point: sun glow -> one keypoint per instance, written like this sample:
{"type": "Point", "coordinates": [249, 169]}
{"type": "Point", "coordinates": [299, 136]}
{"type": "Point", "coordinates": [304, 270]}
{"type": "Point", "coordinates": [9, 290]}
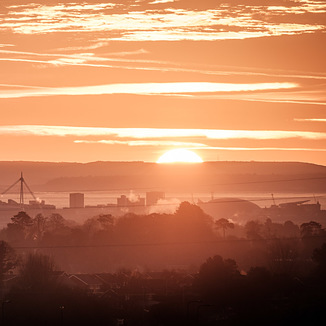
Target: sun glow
{"type": "Point", "coordinates": [180, 156]}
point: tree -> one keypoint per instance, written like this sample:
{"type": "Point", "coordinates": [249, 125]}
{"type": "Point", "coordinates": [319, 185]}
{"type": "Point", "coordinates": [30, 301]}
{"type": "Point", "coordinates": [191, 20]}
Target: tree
{"type": "Point", "coordinates": [55, 222]}
{"type": "Point", "coordinates": [283, 256]}
{"type": "Point", "coordinates": [312, 237]}
{"type": "Point", "coordinates": [106, 221]}
{"type": "Point", "coordinates": [8, 260]}
{"type": "Point", "coordinates": [103, 222]}
{"type": "Point", "coordinates": [253, 230]}
{"type": "Point", "coordinates": [22, 219]}
{"type": "Point", "coordinates": [187, 209]}
{"type": "Point", "coordinates": [21, 227]}
{"type": "Point", "coordinates": [310, 229]}
{"type": "Point", "coordinates": [291, 230]}
{"type": "Point", "coordinates": [217, 278]}
{"type": "Point", "coordinates": [37, 272]}
{"type": "Point", "coordinates": [191, 223]}
{"type": "Point", "coordinates": [224, 224]}
{"type": "Point", "coordinates": [39, 226]}
{"type": "Point", "coordinates": [319, 257]}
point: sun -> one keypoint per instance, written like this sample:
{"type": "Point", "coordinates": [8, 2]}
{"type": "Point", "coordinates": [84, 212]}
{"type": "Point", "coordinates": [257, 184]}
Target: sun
{"type": "Point", "coordinates": [180, 156]}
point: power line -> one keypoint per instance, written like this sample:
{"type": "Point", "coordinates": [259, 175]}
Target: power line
{"type": "Point", "coordinates": [209, 202]}
{"type": "Point", "coordinates": [215, 201]}
{"type": "Point", "coordinates": [175, 243]}
{"type": "Point", "coordinates": [206, 185]}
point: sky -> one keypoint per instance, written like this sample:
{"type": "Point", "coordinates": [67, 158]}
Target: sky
{"type": "Point", "coordinates": [130, 80]}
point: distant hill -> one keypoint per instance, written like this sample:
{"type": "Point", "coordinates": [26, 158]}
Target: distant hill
{"type": "Point", "coordinates": [208, 176]}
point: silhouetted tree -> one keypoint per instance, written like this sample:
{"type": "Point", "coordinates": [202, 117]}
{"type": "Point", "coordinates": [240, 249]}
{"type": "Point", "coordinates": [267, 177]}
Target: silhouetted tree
{"type": "Point", "coordinates": [312, 235]}
{"type": "Point", "coordinates": [319, 257]}
{"type": "Point", "coordinates": [55, 222]}
{"type": "Point", "coordinates": [217, 278]}
{"type": "Point", "coordinates": [187, 209]}
{"type": "Point", "coordinates": [39, 226]}
{"type": "Point", "coordinates": [192, 223]}
{"type": "Point", "coordinates": [253, 230]}
{"type": "Point", "coordinates": [8, 261]}
{"type": "Point", "coordinates": [106, 221]}
{"type": "Point", "coordinates": [310, 229]}
{"type": "Point", "coordinates": [224, 224]}
{"type": "Point", "coordinates": [99, 225]}
{"type": "Point", "coordinates": [20, 228]}
{"type": "Point", "coordinates": [272, 230]}
{"type": "Point", "coordinates": [37, 273]}
{"type": "Point", "coordinates": [283, 256]}
{"type": "Point", "coordinates": [291, 229]}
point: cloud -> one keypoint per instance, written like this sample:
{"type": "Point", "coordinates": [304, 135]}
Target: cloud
{"type": "Point", "coordinates": [95, 61]}
{"type": "Point", "coordinates": [264, 149]}
{"type": "Point", "coordinates": [120, 22]}
{"type": "Point", "coordinates": [141, 143]}
{"type": "Point", "coordinates": [85, 47]}
{"type": "Point", "coordinates": [146, 89]}
{"type": "Point", "coordinates": [127, 53]}
{"type": "Point", "coordinates": [160, 1]}
{"type": "Point", "coordinates": [189, 145]}
{"type": "Point", "coordinates": [67, 61]}
{"type": "Point", "coordinates": [82, 56]}
{"type": "Point", "coordinates": [84, 59]}
{"type": "Point", "coordinates": [312, 119]}
{"type": "Point", "coordinates": [157, 133]}
{"type": "Point", "coordinates": [302, 96]}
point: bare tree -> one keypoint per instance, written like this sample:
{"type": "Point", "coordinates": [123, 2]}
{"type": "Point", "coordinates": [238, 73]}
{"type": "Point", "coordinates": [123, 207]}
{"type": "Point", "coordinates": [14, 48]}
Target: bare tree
{"type": "Point", "coordinates": [8, 261]}
{"type": "Point", "coordinates": [37, 272]}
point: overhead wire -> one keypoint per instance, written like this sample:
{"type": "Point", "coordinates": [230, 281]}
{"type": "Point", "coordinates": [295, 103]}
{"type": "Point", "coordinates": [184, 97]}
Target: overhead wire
{"type": "Point", "coordinates": [219, 184]}
{"type": "Point", "coordinates": [174, 243]}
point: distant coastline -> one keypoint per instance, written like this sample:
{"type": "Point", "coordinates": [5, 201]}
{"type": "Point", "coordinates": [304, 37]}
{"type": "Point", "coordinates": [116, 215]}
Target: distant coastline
{"type": "Point", "coordinates": [205, 177]}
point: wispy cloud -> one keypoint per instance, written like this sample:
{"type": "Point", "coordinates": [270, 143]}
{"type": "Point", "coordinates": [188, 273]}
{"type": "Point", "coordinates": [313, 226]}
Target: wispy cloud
{"type": "Point", "coordinates": [116, 58]}
{"type": "Point", "coordinates": [157, 133]}
{"type": "Point", "coordinates": [83, 56]}
{"type": "Point", "coordinates": [191, 145]}
{"type": "Point", "coordinates": [311, 119]}
{"type": "Point", "coordinates": [161, 1]}
{"type": "Point", "coordinates": [146, 89]}
{"type": "Point", "coordinates": [291, 149]}
{"type": "Point", "coordinates": [302, 96]}
{"type": "Point", "coordinates": [92, 46]}
{"type": "Point", "coordinates": [142, 143]}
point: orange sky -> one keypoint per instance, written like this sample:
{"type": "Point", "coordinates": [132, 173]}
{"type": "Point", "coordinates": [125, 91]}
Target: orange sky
{"type": "Point", "coordinates": [130, 80]}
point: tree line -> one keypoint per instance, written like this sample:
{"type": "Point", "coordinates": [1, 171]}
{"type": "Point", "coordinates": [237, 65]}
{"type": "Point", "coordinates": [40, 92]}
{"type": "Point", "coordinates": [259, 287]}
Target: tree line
{"type": "Point", "coordinates": [159, 241]}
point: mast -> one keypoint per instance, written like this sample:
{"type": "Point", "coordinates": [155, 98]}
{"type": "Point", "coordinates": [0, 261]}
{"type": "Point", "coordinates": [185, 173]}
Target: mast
{"type": "Point", "coordinates": [21, 192]}
{"type": "Point", "coordinates": [21, 197]}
